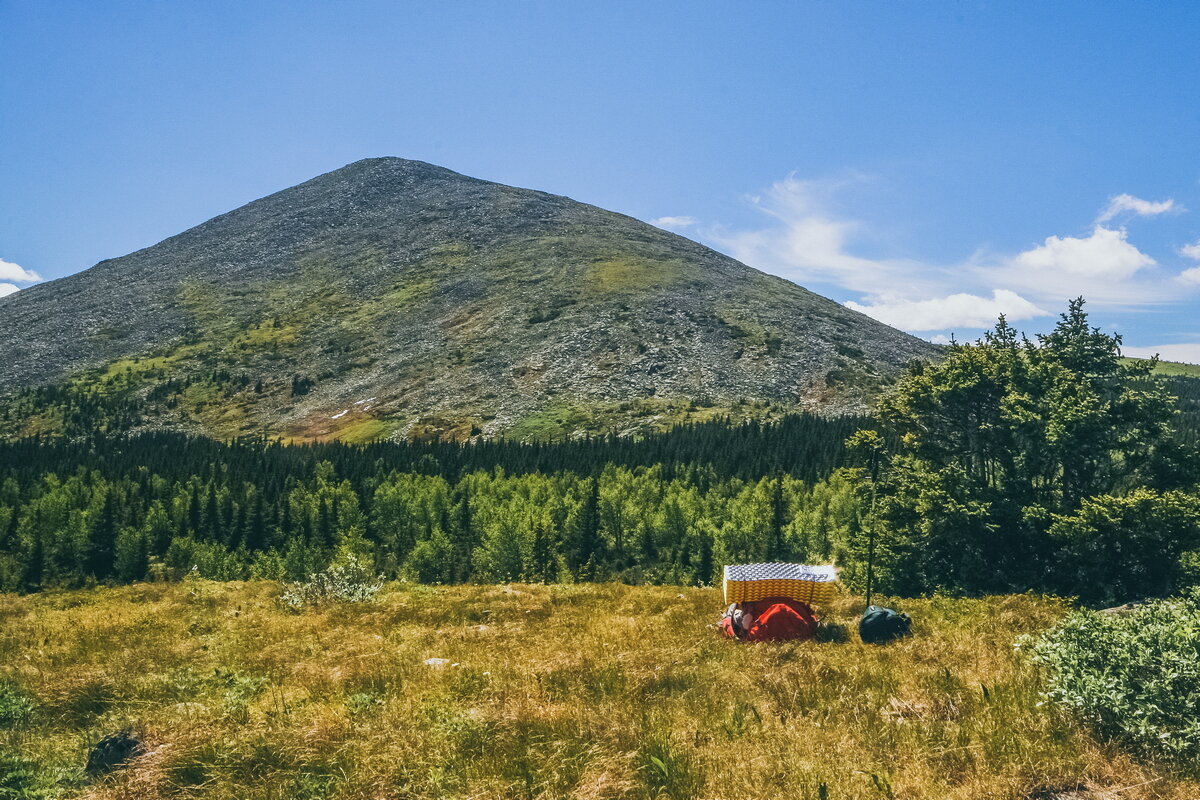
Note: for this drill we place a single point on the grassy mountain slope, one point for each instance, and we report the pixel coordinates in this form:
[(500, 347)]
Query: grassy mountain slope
[(395, 297), (596, 691), (1171, 368)]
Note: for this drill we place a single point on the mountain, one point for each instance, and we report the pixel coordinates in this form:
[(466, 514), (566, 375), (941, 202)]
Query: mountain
[(393, 297)]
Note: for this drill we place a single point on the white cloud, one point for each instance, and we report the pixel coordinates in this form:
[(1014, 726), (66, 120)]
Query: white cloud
[(807, 239), (807, 242), (1140, 207), (1104, 267), (955, 311), (941, 338), (16, 273), (674, 223), (1105, 254), (1191, 276), (1188, 352), (1191, 250), (7, 288)]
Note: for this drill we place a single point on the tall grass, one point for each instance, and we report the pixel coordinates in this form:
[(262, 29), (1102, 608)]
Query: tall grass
[(599, 691)]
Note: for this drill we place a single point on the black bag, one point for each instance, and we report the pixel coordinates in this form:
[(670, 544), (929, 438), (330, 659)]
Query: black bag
[(114, 751), (881, 625)]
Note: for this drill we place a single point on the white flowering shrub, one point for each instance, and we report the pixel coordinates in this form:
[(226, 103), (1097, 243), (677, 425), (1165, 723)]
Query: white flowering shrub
[(346, 581)]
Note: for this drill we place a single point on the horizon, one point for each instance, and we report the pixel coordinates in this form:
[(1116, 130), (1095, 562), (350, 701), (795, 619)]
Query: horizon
[(1028, 156)]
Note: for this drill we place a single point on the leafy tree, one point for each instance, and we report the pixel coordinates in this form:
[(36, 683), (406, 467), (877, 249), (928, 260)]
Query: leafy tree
[(431, 559), (132, 554), (989, 446)]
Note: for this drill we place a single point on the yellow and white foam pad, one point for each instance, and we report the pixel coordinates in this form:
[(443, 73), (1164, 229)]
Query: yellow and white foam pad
[(806, 583)]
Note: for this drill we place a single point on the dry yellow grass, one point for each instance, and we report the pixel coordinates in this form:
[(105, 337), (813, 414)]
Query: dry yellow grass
[(547, 691)]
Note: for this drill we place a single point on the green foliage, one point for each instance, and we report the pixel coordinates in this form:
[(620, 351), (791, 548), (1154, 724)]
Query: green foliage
[(24, 779), (1134, 677), (661, 509), (555, 422), (431, 559), (1004, 437), (16, 707), (1132, 546), (1188, 424)]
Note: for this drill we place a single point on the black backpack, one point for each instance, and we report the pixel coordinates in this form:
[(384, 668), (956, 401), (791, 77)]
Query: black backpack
[(881, 625), (114, 751)]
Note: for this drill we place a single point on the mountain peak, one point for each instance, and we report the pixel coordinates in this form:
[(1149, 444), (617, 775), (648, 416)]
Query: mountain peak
[(403, 297)]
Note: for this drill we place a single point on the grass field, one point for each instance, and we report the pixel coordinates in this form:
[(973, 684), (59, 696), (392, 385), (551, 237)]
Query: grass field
[(599, 691)]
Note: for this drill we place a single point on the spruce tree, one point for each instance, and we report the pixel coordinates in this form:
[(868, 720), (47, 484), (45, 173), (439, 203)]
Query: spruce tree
[(102, 552), (590, 545)]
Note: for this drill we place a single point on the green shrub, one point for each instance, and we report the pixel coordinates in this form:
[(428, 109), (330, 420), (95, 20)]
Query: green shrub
[(16, 707), (1133, 677), (23, 779)]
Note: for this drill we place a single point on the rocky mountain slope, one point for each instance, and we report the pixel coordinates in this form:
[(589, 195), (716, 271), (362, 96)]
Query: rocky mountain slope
[(393, 297)]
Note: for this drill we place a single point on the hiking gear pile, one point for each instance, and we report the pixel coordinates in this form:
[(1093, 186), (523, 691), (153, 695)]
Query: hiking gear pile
[(773, 602), (114, 751)]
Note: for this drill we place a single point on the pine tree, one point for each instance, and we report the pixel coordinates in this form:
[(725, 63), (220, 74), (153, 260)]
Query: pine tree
[(326, 535), (212, 515), (195, 518), (776, 545), (34, 563), (103, 550), (590, 545), (255, 527)]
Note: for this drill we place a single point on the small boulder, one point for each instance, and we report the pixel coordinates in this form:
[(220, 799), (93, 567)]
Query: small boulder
[(1125, 608)]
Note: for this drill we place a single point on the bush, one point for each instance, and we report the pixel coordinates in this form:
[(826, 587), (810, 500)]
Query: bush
[(347, 581), (16, 707), (1133, 677), (23, 779)]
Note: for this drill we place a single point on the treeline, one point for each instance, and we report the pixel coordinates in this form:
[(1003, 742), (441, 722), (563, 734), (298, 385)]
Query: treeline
[(805, 446), (664, 508), (102, 403)]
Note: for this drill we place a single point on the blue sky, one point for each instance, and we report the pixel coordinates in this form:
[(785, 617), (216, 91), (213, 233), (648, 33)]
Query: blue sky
[(931, 163)]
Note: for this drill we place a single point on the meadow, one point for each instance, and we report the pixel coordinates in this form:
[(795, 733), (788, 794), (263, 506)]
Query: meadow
[(534, 691)]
